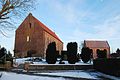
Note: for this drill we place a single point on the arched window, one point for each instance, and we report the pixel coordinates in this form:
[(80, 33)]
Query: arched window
[(28, 38)]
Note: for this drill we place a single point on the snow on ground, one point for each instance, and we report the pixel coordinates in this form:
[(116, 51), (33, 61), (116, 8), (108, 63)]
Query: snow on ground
[(58, 75), (14, 76), (110, 77), (22, 60), (43, 62), (81, 74), (74, 74)]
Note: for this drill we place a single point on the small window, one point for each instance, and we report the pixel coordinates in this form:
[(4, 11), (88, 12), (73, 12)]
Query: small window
[(30, 24), (28, 38)]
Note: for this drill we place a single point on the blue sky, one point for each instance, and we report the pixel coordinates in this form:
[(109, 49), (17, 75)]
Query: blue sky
[(77, 20)]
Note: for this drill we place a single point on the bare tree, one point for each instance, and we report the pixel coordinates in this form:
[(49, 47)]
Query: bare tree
[(11, 9)]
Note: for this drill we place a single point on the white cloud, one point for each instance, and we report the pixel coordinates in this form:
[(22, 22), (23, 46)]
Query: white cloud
[(110, 28), (67, 10)]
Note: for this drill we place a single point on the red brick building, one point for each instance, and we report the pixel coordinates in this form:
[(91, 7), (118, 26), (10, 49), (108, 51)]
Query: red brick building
[(94, 45), (32, 35)]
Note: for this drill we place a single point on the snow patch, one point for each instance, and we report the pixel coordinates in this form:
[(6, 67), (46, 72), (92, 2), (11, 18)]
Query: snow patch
[(14, 76), (75, 74), (43, 62), (96, 74)]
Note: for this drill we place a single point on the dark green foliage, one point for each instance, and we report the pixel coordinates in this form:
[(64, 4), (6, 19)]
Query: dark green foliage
[(78, 57), (72, 52), (57, 54), (114, 55), (117, 54), (51, 56), (109, 66), (86, 54), (3, 51), (9, 57), (63, 55), (118, 51), (4, 56), (102, 53), (61, 62)]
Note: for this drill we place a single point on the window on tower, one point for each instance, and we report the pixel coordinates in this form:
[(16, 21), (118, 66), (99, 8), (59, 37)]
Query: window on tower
[(28, 38)]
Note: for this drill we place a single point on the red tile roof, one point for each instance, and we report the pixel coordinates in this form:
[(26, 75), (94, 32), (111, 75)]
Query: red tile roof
[(47, 29), (96, 44)]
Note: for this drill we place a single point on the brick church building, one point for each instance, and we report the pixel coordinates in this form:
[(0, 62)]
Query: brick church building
[(95, 45), (33, 36)]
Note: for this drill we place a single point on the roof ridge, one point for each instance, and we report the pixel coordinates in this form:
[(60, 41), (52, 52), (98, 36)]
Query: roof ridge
[(97, 43), (97, 40), (47, 29)]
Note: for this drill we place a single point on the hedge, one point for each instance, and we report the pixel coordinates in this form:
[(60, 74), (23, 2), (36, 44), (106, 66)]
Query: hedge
[(109, 66)]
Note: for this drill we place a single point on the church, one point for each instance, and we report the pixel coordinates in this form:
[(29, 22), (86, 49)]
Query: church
[(95, 45), (33, 36)]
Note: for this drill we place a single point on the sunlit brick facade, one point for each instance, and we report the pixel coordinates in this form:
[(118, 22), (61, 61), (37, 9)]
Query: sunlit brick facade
[(95, 45), (34, 35)]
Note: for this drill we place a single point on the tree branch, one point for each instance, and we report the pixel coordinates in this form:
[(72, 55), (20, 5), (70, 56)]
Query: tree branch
[(12, 9)]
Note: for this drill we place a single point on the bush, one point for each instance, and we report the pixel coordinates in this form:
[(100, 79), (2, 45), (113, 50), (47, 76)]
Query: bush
[(61, 62), (72, 52), (101, 53), (51, 56), (3, 51), (57, 54), (37, 60), (63, 55), (9, 57), (108, 66), (5, 56), (86, 54)]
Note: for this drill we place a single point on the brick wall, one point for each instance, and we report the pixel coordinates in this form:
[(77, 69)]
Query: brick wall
[(30, 35), (49, 39), (95, 52)]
